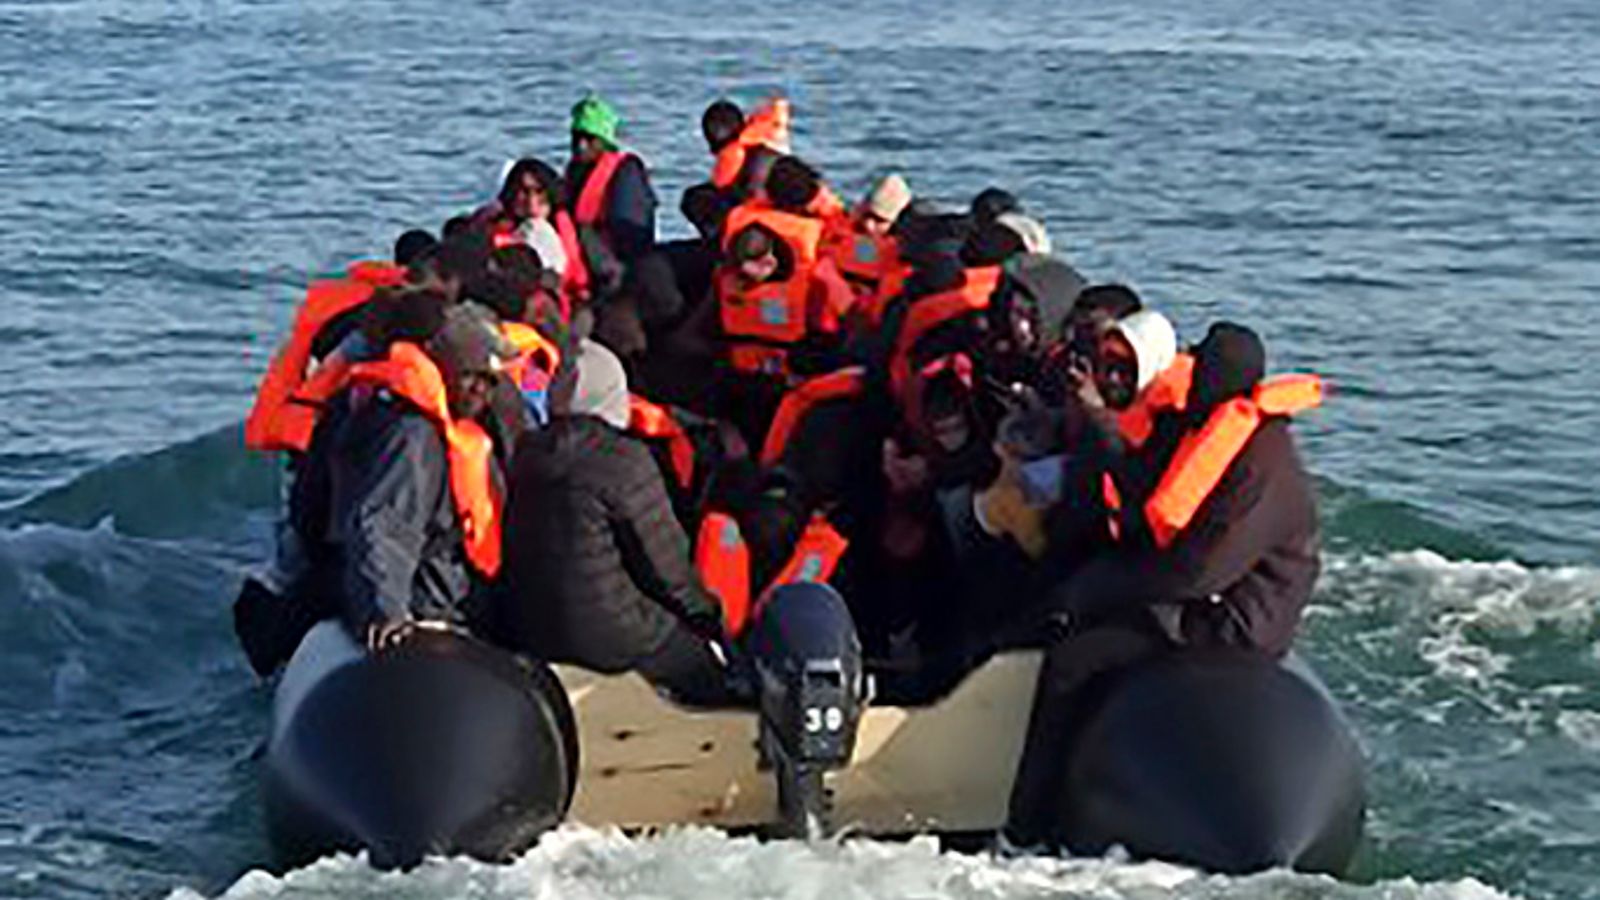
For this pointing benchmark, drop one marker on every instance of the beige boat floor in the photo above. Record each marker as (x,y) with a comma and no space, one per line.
(944,767)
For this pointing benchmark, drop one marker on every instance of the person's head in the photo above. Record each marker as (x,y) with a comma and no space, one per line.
(457,261)
(529,190)
(1131,354)
(991,203)
(454,226)
(402,314)
(594,129)
(470,353)
(1093,314)
(411,245)
(881,209)
(792,184)
(991,244)
(721,124)
(943,411)
(595,384)
(512,284)
(1229,363)
(754,252)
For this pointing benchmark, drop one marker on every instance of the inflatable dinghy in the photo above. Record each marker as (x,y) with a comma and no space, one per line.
(449,746)
(440,746)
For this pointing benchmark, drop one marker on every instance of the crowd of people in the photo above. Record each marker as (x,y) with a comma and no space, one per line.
(546,426)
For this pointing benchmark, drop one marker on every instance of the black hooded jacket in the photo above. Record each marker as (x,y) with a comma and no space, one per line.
(598,566)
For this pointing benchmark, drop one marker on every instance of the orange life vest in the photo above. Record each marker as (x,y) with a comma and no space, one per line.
(863,260)
(276,421)
(928,313)
(792,410)
(767,126)
(409,373)
(1204,454)
(1169,392)
(575,278)
(648,420)
(723,561)
(761,322)
(590,207)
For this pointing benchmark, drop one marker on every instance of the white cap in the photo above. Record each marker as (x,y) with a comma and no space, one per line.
(1034,236)
(1154,343)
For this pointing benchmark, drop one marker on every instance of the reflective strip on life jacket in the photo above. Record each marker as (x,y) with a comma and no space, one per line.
(1169,392)
(275,422)
(591,205)
(767,127)
(408,372)
(930,312)
(797,403)
(723,561)
(864,259)
(1204,455)
(649,420)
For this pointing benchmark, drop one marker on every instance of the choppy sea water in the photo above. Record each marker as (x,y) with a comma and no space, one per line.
(1402,196)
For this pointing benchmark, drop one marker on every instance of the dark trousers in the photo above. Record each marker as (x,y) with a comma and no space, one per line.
(1068,666)
(685,666)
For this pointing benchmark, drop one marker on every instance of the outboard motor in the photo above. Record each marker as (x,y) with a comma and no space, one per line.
(808,669)
(442,745)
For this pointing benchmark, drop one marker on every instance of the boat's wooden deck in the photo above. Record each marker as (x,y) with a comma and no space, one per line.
(943,767)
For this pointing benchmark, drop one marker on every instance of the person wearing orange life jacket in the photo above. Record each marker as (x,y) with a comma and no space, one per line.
(609,196)
(598,566)
(325,318)
(778,310)
(866,252)
(529,210)
(758,535)
(744,150)
(404,523)
(691,450)
(1217,548)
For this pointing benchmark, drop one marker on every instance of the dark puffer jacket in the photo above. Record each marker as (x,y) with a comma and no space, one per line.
(598,566)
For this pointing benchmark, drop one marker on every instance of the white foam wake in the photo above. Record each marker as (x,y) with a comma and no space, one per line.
(577,863)
(1463,612)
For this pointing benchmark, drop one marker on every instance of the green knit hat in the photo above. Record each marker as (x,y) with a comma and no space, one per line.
(595,117)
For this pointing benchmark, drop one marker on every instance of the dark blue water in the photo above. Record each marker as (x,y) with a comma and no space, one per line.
(1403,196)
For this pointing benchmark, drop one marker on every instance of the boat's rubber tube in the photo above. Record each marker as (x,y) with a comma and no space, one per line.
(441,746)
(1228,763)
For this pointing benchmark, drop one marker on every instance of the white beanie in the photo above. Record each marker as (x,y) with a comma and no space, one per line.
(1154,343)
(601,388)
(1034,236)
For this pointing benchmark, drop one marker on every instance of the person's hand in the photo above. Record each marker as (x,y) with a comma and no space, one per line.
(1080,379)
(388,634)
(906,472)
